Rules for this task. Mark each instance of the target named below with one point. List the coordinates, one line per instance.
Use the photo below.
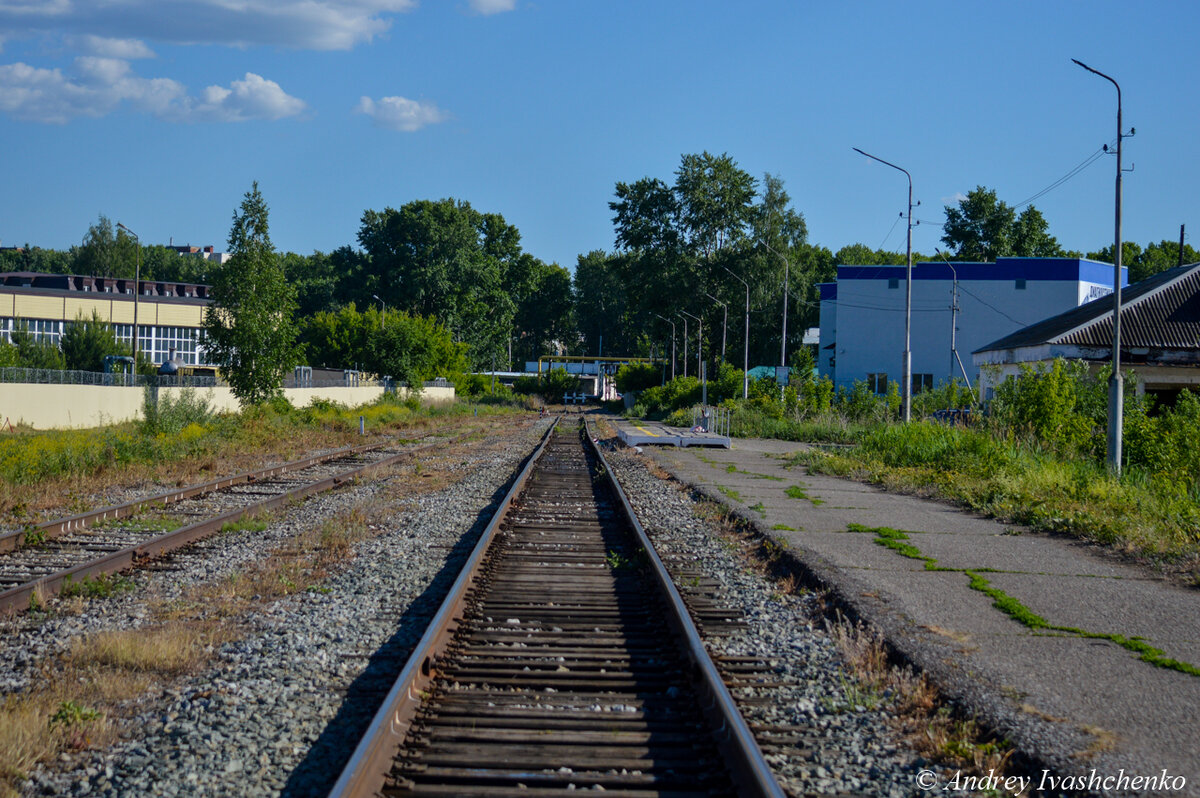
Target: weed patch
(896, 540)
(797, 492)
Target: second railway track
(562, 660)
(41, 560)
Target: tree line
(438, 286)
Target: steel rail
(19, 597)
(367, 769)
(48, 530)
(751, 773)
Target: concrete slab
(1076, 702)
(653, 433)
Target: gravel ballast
(278, 711)
(854, 749)
(282, 707)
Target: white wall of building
(865, 320)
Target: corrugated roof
(1162, 312)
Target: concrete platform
(654, 433)
(1073, 700)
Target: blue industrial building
(956, 309)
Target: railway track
(42, 560)
(563, 659)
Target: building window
(922, 382)
(40, 329)
(877, 383)
(1021, 285)
(893, 282)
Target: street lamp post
(746, 342)
(137, 289)
(724, 322)
(668, 321)
(1116, 390)
(383, 312)
(906, 376)
(699, 341)
(783, 334)
(685, 373)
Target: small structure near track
(642, 433)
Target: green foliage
(167, 411)
(249, 326)
(983, 228)
(556, 382)
(638, 376)
(445, 260)
(1044, 402)
(86, 342)
(681, 392)
(413, 349)
(72, 714)
(339, 339)
(99, 586)
(35, 353)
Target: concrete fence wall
(79, 406)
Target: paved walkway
(1069, 692)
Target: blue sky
(160, 113)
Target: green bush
(639, 376)
(163, 414)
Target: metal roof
(1160, 312)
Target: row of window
(155, 341)
(1019, 283)
(878, 382)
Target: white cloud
(100, 85)
(253, 97)
(488, 7)
(300, 24)
(400, 113)
(128, 49)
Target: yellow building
(169, 315)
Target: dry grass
(930, 727)
(79, 697)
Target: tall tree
(107, 251)
(983, 228)
(1031, 236)
(716, 202)
(249, 326)
(446, 260)
(980, 228)
(87, 341)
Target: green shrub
(164, 414)
(639, 376)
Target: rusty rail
(496, 709)
(19, 597)
(751, 773)
(368, 767)
(48, 530)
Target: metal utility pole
(668, 321)
(699, 340)
(1116, 389)
(137, 289)
(954, 358)
(783, 334)
(685, 346)
(746, 342)
(1180, 245)
(724, 322)
(906, 386)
